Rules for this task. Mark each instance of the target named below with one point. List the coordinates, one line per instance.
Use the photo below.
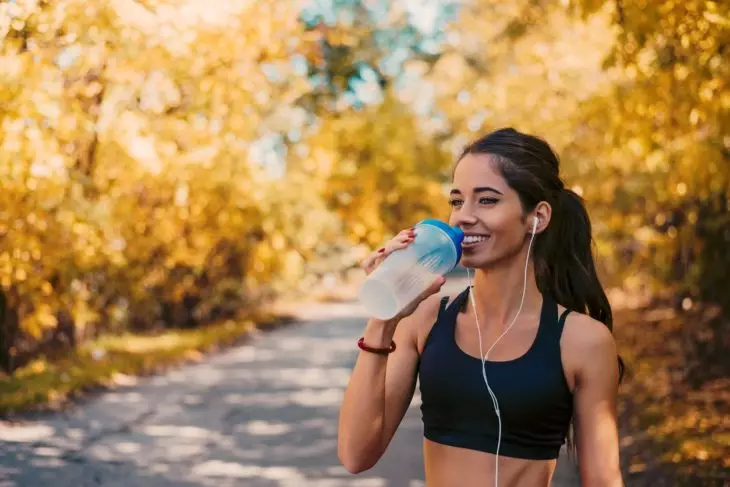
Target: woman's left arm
(596, 390)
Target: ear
(543, 212)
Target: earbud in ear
(535, 222)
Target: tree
(670, 122)
(127, 172)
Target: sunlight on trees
(168, 163)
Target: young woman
(508, 365)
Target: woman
(536, 308)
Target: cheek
(501, 222)
(452, 219)
(507, 232)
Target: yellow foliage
(125, 135)
(168, 162)
(630, 93)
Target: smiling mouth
(473, 240)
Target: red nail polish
(381, 250)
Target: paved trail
(260, 415)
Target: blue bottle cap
(456, 234)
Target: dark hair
(563, 253)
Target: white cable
(483, 355)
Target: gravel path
(260, 415)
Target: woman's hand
(400, 241)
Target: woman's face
(488, 211)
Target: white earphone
(535, 222)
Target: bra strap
(460, 303)
(561, 322)
(439, 325)
(442, 307)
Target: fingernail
(381, 250)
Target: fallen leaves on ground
(675, 398)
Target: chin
(478, 261)
(488, 258)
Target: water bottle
(406, 273)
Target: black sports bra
(535, 402)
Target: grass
(109, 361)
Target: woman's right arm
(381, 387)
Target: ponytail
(565, 270)
(564, 263)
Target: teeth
(473, 239)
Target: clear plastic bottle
(406, 273)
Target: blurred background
(168, 168)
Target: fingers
(375, 258)
(371, 261)
(402, 240)
(397, 244)
(434, 287)
(408, 234)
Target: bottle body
(407, 272)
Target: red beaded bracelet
(381, 351)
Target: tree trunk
(9, 324)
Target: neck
(498, 293)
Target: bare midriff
(448, 466)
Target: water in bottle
(407, 272)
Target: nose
(463, 217)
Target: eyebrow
(479, 189)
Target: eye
(456, 203)
(488, 201)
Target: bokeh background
(169, 167)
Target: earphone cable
(484, 356)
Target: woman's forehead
(477, 170)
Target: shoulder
(419, 324)
(588, 347)
(586, 333)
